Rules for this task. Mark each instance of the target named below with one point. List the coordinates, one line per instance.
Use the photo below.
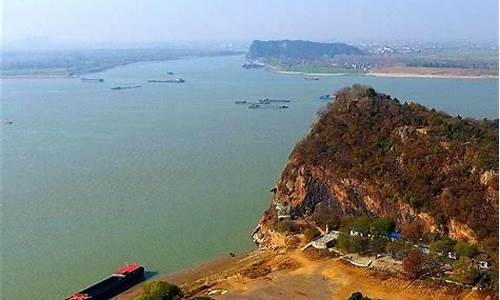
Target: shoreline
(72, 76)
(276, 70)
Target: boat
(325, 97)
(240, 102)
(175, 80)
(268, 101)
(254, 106)
(125, 87)
(120, 281)
(93, 79)
(311, 78)
(170, 73)
(8, 122)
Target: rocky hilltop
(296, 49)
(369, 154)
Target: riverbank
(399, 72)
(296, 274)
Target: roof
(394, 235)
(79, 297)
(127, 269)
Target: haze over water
(166, 175)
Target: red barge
(119, 281)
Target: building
(326, 241)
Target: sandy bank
(298, 275)
(401, 72)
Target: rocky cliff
(369, 154)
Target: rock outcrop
(368, 154)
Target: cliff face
(368, 154)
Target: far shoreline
(277, 70)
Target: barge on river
(118, 282)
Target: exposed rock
(363, 157)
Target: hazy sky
(182, 20)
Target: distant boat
(7, 122)
(175, 80)
(93, 79)
(254, 106)
(268, 101)
(241, 102)
(311, 78)
(125, 87)
(325, 97)
(170, 73)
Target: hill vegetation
(296, 49)
(370, 157)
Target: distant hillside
(295, 49)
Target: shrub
(160, 290)
(397, 247)
(286, 226)
(462, 249)
(311, 233)
(351, 244)
(464, 272)
(383, 227)
(358, 296)
(413, 264)
(441, 246)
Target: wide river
(166, 175)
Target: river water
(166, 175)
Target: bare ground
(299, 275)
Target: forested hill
(296, 49)
(369, 154)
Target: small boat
(170, 73)
(175, 80)
(311, 78)
(8, 122)
(93, 79)
(325, 97)
(120, 281)
(254, 106)
(269, 101)
(125, 87)
(283, 106)
(240, 102)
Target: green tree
(159, 290)
(362, 225)
(397, 247)
(464, 272)
(377, 244)
(351, 244)
(383, 227)
(463, 249)
(441, 247)
(358, 296)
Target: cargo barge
(93, 79)
(175, 80)
(118, 282)
(125, 87)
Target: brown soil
(299, 275)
